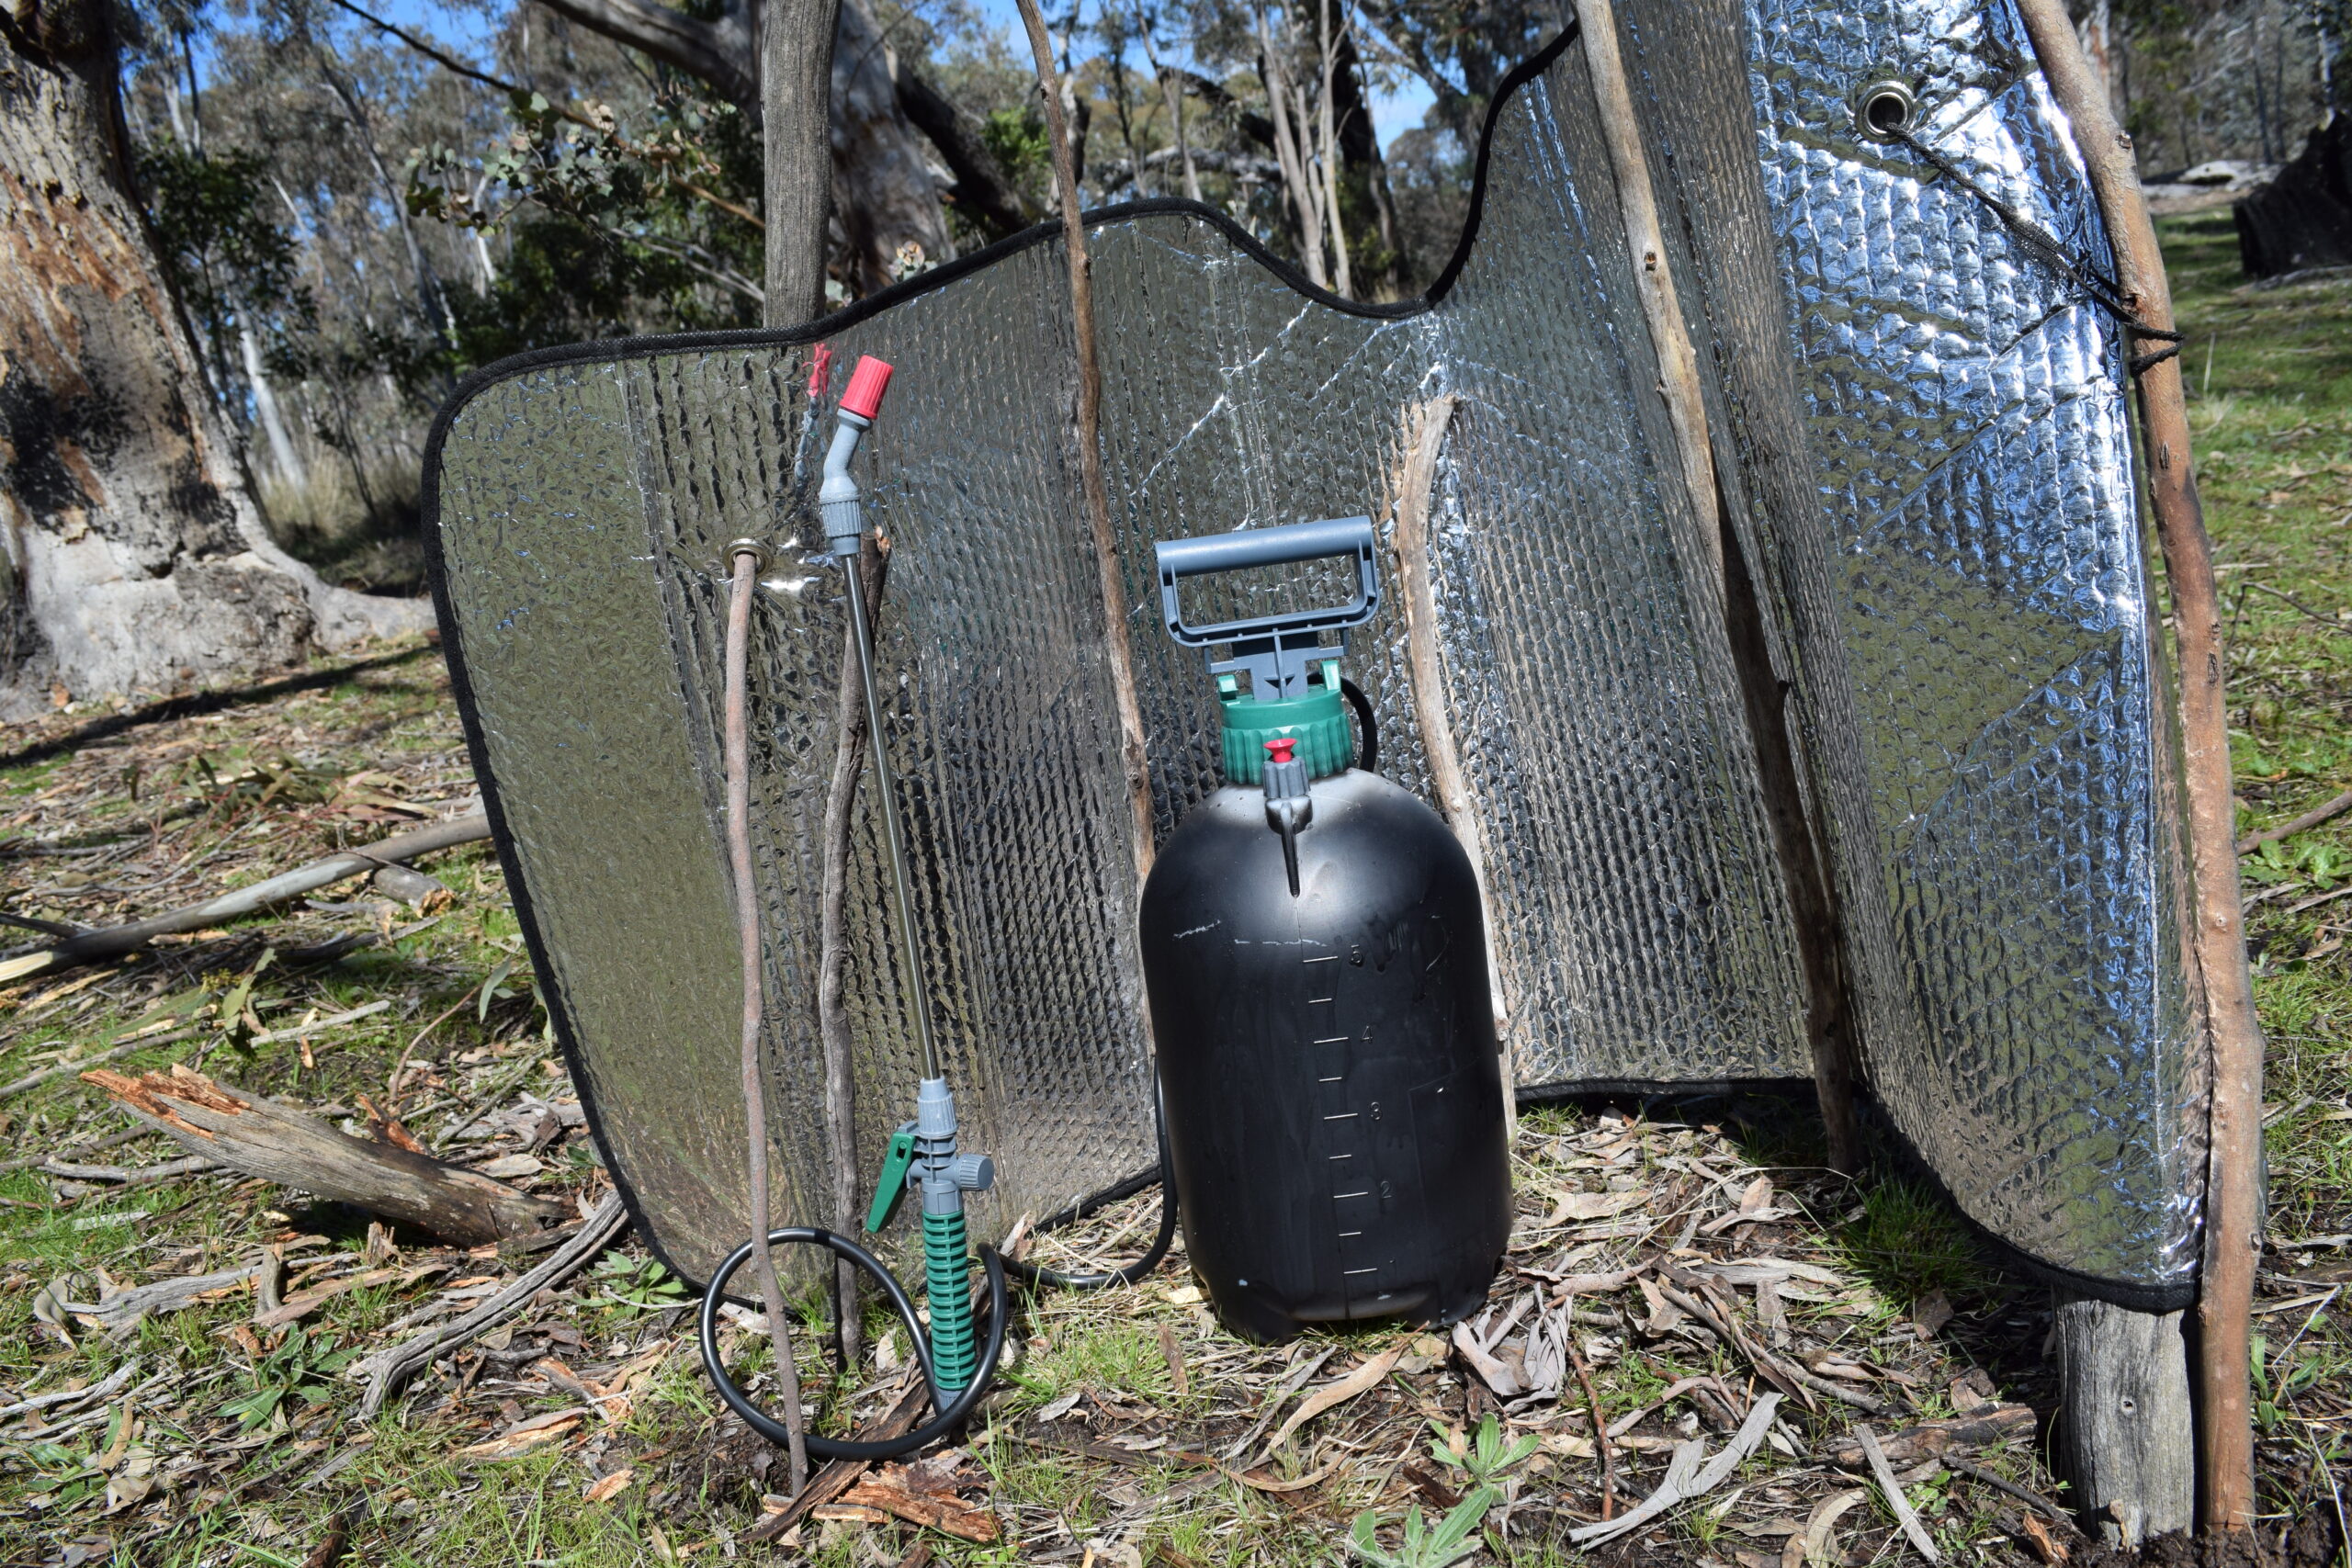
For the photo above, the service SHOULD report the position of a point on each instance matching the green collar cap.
(1319, 722)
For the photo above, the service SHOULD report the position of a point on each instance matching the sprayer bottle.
(1314, 956)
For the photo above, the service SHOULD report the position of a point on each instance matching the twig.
(388, 1368)
(842, 1473)
(115, 940)
(130, 1176)
(1601, 1441)
(80, 1063)
(1894, 1497)
(1118, 656)
(2002, 1484)
(743, 568)
(2312, 819)
(2330, 622)
(834, 1036)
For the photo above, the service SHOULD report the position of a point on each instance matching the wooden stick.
(277, 1143)
(387, 1370)
(744, 565)
(2232, 1186)
(833, 1035)
(1895, 1500)
(1119, 656)
(1834, 1069)
(1425, 429)
(1678, 362)
(2312, 819)
(115, 940)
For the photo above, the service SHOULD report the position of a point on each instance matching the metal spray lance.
(922, 1152)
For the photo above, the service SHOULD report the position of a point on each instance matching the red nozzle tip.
(866, 383)
(1281, 747)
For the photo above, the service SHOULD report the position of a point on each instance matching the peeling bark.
(134, 555)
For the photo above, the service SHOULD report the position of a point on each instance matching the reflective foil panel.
(2018, 814)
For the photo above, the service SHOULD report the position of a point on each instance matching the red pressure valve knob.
(867, 384)
(1281, 748)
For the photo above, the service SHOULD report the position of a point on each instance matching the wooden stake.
(2232, 1187)
(1115, 651)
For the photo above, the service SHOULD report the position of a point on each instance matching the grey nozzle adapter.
(838, 498)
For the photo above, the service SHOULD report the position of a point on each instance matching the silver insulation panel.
(1927, 467)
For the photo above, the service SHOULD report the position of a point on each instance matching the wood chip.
(945, 1513)
(612, 1486)
(525, 1436)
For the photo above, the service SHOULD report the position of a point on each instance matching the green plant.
(639, 1282)
(1486, 1457)
(1453, 1539)
(298, 1367)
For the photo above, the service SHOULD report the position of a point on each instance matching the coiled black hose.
(1369, 760)
(951, 1412)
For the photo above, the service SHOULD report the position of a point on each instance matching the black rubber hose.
(1370, 759)
(948, 1419)
(1030, 1274)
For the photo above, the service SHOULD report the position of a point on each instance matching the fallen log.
(262, 1138)
(114, 941)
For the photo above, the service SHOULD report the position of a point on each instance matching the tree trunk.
(134, 556)
(2124, 1436)
(884, 197)
(2303, 218)
(796, 99)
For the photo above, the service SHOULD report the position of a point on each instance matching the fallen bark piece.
(131, 1175)
(1895, 1500)
(115, 940)
(1932, 1439)
(1340, 1393)
(943, 1512)
(262, 1138)
(525, 1436)
(302, 1303)
(119, 1312)
(842, 1473)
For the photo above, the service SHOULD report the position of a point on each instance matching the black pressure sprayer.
(1313, 954)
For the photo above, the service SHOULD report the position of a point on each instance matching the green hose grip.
(948, 1267)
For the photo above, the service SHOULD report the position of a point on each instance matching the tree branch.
(981, 189)
(721, 52)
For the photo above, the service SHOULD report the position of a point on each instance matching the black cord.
(1369, 760)
(1031, 1274)
(951, 1416)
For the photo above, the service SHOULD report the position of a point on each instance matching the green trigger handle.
(896, 1163)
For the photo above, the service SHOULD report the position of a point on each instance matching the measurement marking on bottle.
(1342, 1116)
(1366, 1194)
(1353, 1272)
(1336, 1040)
(1345, 1235)
(1343, 1156)
(1327, 958)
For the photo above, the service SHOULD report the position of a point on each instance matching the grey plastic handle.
(1282, 546)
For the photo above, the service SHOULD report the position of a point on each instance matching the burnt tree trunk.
(132, 553)
(2302, 219)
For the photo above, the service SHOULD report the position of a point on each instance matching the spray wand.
(924, 1156)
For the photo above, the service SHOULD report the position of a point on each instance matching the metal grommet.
(1884, 110)
(764, 557)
